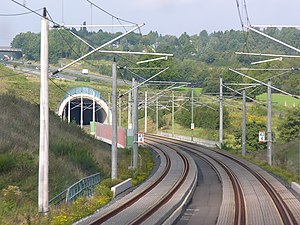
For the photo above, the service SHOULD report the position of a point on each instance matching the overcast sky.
(164, 16)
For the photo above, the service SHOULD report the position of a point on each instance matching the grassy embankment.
(280, 99)
(73, 154)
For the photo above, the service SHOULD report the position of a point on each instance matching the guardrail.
(84, 187)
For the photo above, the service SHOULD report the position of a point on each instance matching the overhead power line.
(108, 13)
(21, 14)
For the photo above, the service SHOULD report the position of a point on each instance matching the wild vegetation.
(200, 59)
(73, 154)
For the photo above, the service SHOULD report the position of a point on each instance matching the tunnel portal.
(84, 105)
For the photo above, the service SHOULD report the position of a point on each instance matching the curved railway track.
(168, 195)
(139, 195)
(240, 217)
(167, 155)
(240, 210)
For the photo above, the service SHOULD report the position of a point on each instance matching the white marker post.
(262, 136)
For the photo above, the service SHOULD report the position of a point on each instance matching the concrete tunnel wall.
(102, 113)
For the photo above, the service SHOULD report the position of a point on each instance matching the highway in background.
(71, 75)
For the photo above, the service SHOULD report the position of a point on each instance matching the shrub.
(103, 190)
(6, 163)
(11, 197)
(76, 153)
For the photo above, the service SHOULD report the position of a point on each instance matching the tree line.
(199, 59)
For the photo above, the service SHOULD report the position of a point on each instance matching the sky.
(172, 17)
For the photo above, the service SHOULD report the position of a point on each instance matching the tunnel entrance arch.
(84, 105)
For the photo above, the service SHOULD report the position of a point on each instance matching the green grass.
(197, 91)
(280, 99)
(73, 154)
(66, 214)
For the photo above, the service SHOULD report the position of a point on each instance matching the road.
(66, 74)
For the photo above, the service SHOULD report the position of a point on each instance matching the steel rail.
(134, 199)
(240, 208)
(284, 211)
(162, 201)
(170, 193)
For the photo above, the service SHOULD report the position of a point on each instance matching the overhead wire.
(240, 12)
(20, 14)
(24, 6)
(56, 25)
(110, 14)
(69, 45)
(51, 20)
(59, 87)
(70, 48)
(35, 12)
(90, 41)
(245, 33)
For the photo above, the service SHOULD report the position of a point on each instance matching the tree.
(252, 143)
(186, 45)
(29, 43)
(204, 116)
(290, 125)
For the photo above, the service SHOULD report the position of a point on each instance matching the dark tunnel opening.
(75, 115)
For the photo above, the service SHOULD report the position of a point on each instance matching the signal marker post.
(141, 138)
(262, 136)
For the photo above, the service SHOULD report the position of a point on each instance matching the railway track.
(240, 211)
(170, 193)
(153, 203)
(245, 201)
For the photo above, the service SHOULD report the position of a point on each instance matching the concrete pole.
(221, 113)
(244, 125)
(81, 110)
(135, 124)
(146, 112)
(157, 116)
(44, 121)
(129, 110)
(173, 112)
(192, 120)
(114, 140)
(269, 128)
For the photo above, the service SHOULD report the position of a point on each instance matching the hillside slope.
(73, 154)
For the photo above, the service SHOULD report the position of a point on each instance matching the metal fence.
(84, 187)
